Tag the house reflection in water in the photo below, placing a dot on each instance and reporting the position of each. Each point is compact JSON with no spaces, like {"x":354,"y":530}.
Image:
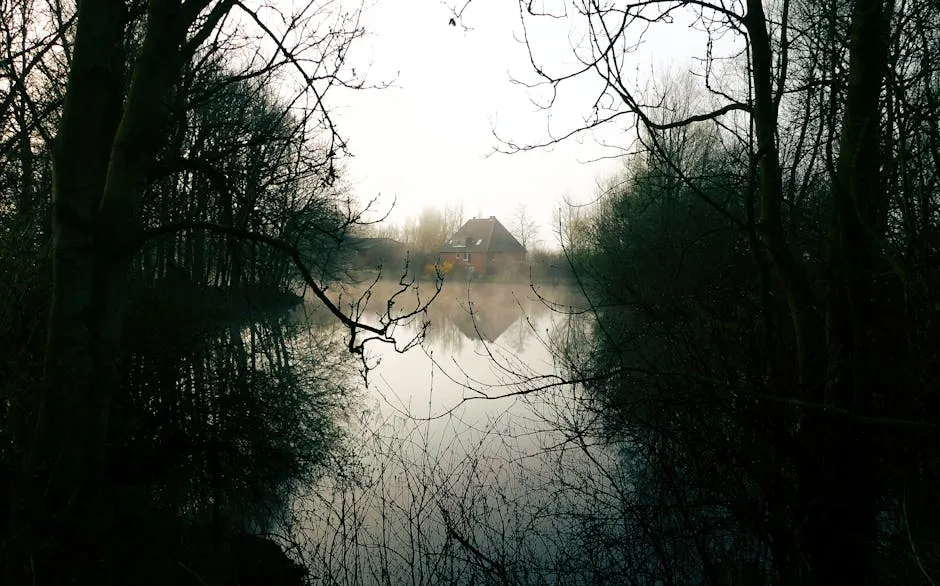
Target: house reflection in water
{"x":480,"y":312}
{"x":463,"y":312}
{"x":485,"y":321}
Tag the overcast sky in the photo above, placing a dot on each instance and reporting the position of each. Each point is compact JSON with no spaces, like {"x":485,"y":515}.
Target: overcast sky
{"x":429,"y":138}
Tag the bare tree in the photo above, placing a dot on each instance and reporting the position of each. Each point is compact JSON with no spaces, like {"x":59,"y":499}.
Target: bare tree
{"x":427,"y":231}
{"x":125,"y":62}
{"x":524,"y":227}
{"x":806,"y":99}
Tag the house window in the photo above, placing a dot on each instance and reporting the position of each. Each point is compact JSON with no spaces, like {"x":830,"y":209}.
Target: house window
{"x":466,"y":257}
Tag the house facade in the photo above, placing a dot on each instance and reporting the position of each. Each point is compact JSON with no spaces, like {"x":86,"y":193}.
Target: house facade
{"x":484,"y":246}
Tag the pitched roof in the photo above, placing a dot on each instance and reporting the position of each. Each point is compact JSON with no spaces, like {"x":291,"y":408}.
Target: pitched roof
{"x":482,"y":235}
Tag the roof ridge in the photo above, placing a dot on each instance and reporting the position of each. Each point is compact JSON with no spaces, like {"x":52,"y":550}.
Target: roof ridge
{"x":489,"y":237}
{"x":490,"y":233}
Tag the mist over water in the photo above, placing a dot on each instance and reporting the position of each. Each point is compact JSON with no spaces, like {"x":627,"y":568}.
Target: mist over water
{"x":455,"y":464}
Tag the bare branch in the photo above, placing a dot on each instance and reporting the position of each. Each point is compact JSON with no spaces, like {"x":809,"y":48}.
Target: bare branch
{"x":381,"y":333}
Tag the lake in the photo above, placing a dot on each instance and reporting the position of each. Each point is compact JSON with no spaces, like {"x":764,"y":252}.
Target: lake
{"x":473,"y":460}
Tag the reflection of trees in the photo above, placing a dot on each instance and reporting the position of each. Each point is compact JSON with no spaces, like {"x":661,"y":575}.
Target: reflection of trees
{"x":506,"y":498}
{"x":176,"y":171}
{"x":499,"y":493}
{"x":762,"y":276}
{"x":220,"y":424}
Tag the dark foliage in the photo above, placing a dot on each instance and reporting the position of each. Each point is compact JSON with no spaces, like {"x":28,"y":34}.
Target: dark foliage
{"x":216,"y":416}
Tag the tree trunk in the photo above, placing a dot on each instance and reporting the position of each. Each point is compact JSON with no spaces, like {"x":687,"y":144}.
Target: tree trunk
{"x":841,"y":531}
{"x":791,"y":279}
{"x":55,"y":466}
{"x":101,"y":159}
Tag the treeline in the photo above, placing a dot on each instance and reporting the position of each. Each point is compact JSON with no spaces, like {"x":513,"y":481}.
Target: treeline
{"x":418,"y":239}
{"x":763,"y":279}
{"x":425,"y":232}
{"x":163,"y":184}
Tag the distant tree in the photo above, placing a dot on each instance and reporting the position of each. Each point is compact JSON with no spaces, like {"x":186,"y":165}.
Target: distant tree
{"x":427,"y":231}
{"x":524,"y":227}
{"x":571,"y":225}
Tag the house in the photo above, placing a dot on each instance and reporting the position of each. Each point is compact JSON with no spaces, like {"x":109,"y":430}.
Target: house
{"x":483,"y":246}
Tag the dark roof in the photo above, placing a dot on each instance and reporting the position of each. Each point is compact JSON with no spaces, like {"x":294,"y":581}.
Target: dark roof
{"x":482,"y":235}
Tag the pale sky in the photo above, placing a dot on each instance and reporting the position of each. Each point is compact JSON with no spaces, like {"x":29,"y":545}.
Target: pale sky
{"x":425,"y":140}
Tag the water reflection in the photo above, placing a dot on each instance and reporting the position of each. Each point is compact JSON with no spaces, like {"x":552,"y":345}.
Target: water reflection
{"x":481,"y":312}
{"x":462,"y":478}
{"x":454,"y":471}
{"x":220,"y":421}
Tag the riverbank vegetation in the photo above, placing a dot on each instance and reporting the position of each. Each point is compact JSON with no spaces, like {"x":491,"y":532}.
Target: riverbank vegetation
{"x":739,"y":387}
{"x":761,"y":280}
{"x":164,"y":191}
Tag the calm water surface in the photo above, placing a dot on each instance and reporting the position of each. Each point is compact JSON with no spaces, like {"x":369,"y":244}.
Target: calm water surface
{"x":459,"y":475}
